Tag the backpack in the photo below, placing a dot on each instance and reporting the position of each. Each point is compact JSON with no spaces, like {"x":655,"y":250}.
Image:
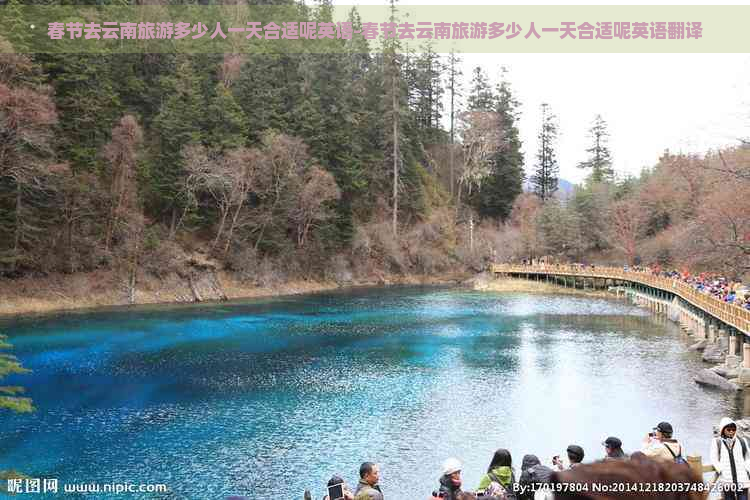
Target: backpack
{"x":677,"y":458}
{"x":742,"y":442}
{"x":495,"y":488}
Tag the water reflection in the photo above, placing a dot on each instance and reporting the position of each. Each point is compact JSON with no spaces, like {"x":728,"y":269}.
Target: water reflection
{"x":269,"y":398}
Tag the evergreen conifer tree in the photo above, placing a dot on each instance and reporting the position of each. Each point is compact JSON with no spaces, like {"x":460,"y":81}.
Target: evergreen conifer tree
{"x":600,"y":160}
{"x":546,"y":173}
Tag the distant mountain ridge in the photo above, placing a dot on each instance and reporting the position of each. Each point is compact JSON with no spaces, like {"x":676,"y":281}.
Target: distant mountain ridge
{"x":564,"y":188}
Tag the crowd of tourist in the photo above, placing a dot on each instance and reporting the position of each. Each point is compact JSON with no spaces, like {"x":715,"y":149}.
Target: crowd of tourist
{"x":719,"y":287}
{"x":657,"y":470}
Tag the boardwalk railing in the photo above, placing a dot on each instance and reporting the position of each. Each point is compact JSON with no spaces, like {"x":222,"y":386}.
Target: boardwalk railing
{"x":729,"y":314}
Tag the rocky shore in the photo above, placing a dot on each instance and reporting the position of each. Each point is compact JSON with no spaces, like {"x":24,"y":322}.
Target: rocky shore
{"x":202,"y":283}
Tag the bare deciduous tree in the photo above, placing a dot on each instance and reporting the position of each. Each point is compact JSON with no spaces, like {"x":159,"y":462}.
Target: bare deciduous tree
{"x":26,"y":119}
{"x":627,"y":218}
{"x":230,"y":68}
{"x":724,"y":221}
{"x":281,"y":175}
{"x":482,"y":138}
{"x":524,"y":217}
{"x":122,"y":154}
{"x":125,"y":221}
{"x":318,"y":190}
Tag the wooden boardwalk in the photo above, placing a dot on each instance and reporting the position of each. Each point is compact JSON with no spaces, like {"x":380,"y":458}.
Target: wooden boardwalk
{"x":730,"y":314}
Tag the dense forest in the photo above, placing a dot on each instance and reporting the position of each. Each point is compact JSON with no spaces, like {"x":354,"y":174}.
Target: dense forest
{"x":139,"y":171}
{"x":339,"y":166}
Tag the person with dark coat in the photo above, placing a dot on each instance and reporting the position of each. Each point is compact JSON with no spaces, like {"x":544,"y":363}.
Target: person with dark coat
{"x":450,"y":480}
{"x":533,"y":475}
{"x":613,"y":449}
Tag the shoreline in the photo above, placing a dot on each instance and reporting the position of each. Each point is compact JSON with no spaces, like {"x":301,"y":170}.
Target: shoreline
{"x":28,"y":297}
{"x":527,"y":286}
{"x":98,"y":291}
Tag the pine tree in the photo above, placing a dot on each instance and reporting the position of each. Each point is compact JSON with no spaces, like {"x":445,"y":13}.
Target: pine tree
{"x":454,"y":90}
{"x":591,"y":202}
{"x":560,"y":229}
{"x":17,"y":27}
{"x":9,"y":396}
{"x":87,"y":112}
{"x":425,"y":92}
{"x":393,"y":97}
{"x":179,"y":122}
{"x":600,"y":159}
{"x":268,"y":90}
{"x":225,"y":122}
{"x":545,"y":176}
{"x":505,"y":182}
{"x":481,"y":96}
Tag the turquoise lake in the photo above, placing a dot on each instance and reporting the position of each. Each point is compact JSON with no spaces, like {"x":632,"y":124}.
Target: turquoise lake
{"x":265,"y":399}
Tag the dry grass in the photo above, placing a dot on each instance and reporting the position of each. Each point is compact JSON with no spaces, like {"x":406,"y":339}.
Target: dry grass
{"x":528,"y":286}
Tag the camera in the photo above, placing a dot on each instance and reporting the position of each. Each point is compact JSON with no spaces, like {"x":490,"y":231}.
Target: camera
{"x":651,"y":434}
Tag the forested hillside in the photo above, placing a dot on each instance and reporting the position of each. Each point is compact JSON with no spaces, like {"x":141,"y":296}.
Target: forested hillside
{"x":343,"y":166}
{"x":274,"y":166}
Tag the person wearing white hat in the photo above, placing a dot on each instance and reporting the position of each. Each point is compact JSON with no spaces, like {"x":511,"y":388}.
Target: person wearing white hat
{"x":450,"y":481}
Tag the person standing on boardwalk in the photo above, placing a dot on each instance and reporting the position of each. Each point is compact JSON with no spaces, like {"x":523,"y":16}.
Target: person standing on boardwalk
{"x":368,"y":489}
{"x":729,"y":458}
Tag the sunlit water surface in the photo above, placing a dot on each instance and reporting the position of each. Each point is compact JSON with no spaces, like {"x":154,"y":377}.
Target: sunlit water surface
{"x":267,"y":399}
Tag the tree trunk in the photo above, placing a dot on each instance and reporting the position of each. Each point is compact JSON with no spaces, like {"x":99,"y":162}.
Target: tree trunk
{"x":453,"y":96}
{"x":196,"y":295}
{"x":231,"y":228}
{"x":173,"y":223}
{"x":224,"y":213}
{"x":471,"y":233}
{"x":395,"y":152}
{"x":17,"y":238}
{"x":114,"y":210}
{"x":133,"y":272}
{"x":71,"y":268}
{"x":179,"y":222}
{"x":260,"y":236}
{"x":272,"y":210}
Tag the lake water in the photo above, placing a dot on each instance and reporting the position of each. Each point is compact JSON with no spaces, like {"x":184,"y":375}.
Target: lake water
{"x":268,"y":398}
